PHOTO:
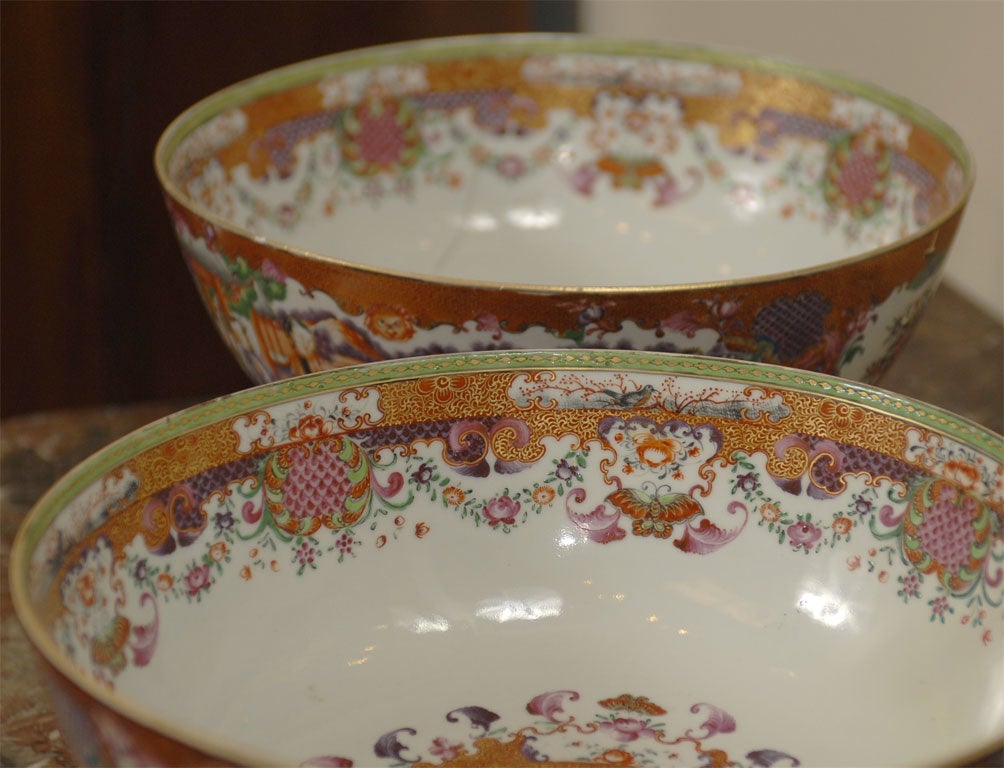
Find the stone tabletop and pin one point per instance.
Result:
(955, 360)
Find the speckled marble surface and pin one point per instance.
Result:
(955, 360)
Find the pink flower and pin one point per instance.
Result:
(584, 178)
(625, 729)
(486, 321)
(287, 216)
(447, 750)
(383, 137)
(273, 271)
(510, 166)
(197, 579)
(803, 534)
(306, 555)
(683, 322)
(501, 510)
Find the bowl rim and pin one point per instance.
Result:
(527, 43)
(201, 415)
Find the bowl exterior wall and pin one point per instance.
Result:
(283, 314)
(412, 153)
(100, 736)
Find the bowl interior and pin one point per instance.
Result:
(566, 161)
(536, 556)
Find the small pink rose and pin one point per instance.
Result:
(625, 729)
(804, 534)
(197, 579)
(501, 510)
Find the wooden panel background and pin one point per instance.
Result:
(96, 304)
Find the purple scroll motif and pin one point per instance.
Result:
(703, 537)
(469, 444)
(479, 717)
(551, 704)
(765, 758)
(829, 461)
(389, 746)
(718, 721)
(145, 635)
(600, 524)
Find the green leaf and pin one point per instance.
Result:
(349, 122)
(273, 290)
(240, 269)
(852, 353)
(245, 303)
(577, 335)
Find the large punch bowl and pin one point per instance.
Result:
(504, 559)
(561, 192)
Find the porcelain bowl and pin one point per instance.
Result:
(526, 192)
(514, 558)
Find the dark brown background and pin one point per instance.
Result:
(97, 306)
